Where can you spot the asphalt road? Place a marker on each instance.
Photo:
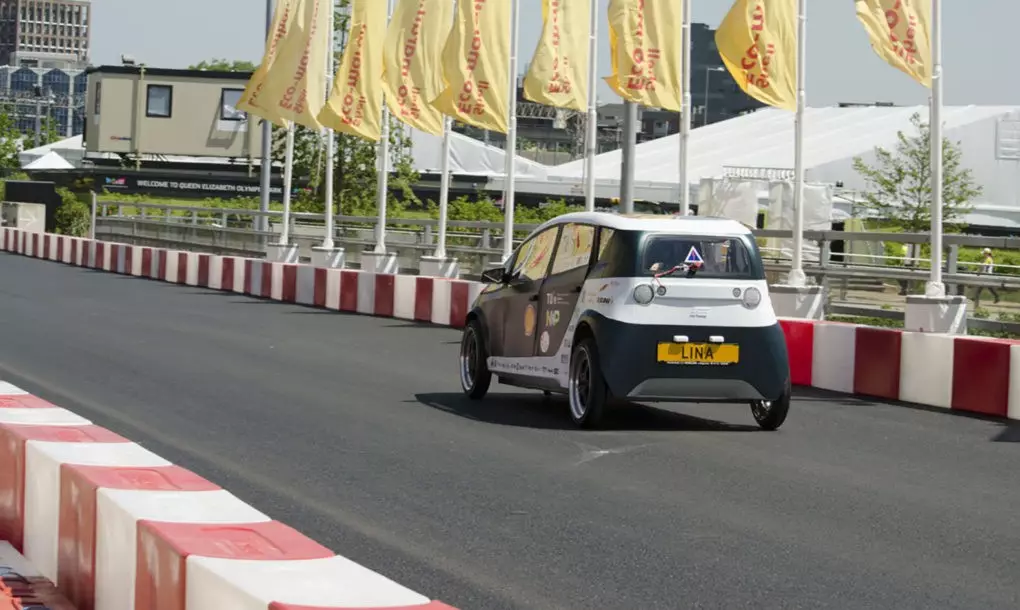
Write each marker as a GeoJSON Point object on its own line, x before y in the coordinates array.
{"type": "Point", "coordinates": [353, 430]}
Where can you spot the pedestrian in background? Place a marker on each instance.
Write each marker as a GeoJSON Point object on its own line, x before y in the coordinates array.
{"type": "Point", "coordinates": [987, 266]}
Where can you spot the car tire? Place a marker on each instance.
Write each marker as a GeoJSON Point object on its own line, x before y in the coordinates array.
{"type": "Point", "coordinates": [587, 392]}
{"type": "Point", "coordinates": [771, 414]}
{"type": "Point", "coordinates": [475, 376]}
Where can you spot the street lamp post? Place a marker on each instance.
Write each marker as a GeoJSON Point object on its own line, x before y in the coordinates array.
{"type": "Point", "coordinates": [708, 81]}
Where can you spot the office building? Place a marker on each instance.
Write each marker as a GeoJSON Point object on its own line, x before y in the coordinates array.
{"type": "Point", "coordinates": [45, 33]}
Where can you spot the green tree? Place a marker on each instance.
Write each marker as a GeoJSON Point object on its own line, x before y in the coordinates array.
{"type": "Point", "coordinates": [10, 141]}
{"type": "Point", "coordinates": [899, 183]}
{"type": "Point", "coordinates": [223, 65]}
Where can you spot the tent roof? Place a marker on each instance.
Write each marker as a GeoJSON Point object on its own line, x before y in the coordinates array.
{"type": "Point", "coordinates": [51, 160]}
{"type": "Point", "coordinates": [765, 139]}
{"type": "Point", "coordinates": [72, 143]}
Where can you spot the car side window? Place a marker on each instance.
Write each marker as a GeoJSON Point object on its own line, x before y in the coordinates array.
{"type": "Point", "coordinates": [533, 261]}
{"type": "Point", "coordinates": [574, 251]}
{"type": "Point", "coordinates": [605, 237]}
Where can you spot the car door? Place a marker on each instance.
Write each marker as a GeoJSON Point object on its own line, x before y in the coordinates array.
{"type": "Point", "coordinates": [520, 320]}
{"type": "Point", "coordinates": [561, 290]}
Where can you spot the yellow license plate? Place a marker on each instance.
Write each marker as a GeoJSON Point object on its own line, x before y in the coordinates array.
{"type": "Point", "coordinates": [699, 353]}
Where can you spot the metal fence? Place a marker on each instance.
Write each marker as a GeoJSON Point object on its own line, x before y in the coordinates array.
{"type": "Point", "coordinates": [196, 225]}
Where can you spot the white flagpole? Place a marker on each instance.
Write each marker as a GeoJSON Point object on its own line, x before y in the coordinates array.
{"type": "Point", "coordinates": [685, 110]}
{"type": "Point", "coordinates": [591, 140]}
{"type": "Point", "coordinates": [511, 140]}
{"type": "Point", "coordinates": [935, 287]}
{"type": "Point", "coordinates": [327, 240]}
{"type": "Point", "coordinates": [288, 178]}
{"type": "Point", "coordinates": [797, 277]}
{"type": "Point", "coordinates": [384, 165]}
{"type": "Point", "coordinates": [444, 188]}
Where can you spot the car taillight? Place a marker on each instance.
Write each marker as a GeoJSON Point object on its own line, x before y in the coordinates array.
{"type": "Point", "coordinates": [751, 298]}
{"type": "Point", "coordinates": [644, 293]}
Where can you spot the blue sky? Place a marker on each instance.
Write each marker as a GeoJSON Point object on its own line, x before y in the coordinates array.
{"type": "Point", "coordinates": [841, 65]}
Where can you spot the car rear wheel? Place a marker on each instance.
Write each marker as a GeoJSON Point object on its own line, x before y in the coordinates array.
{"type": "Point", "coordinates": [475, 376]}
{"type": "Point", "coordinates": [770, 414]}
{"type": "Point", "coordinates": [587, 391]}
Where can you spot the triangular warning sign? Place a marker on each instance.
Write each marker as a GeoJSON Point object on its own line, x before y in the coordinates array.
{"type": "Point", "coordinates": [693, 257]}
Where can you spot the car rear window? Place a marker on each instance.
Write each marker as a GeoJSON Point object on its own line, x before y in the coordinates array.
{"type": "Point", "coordinates": [722, 257]}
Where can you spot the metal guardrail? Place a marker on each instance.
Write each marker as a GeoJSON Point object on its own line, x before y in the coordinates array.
{"type": "Point", "coordinates": [489, 240]}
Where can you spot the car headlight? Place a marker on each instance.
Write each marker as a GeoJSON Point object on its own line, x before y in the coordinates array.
{"type": "Point", "coordinates": [644, 293]}
{"type": "Point", "coordinates": [752, 297]}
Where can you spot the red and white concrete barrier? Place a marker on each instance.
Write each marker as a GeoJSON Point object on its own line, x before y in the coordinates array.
{"type": "Point", "coordinates": [959, 373]}
{"type": "Point", "coordinates": [116, 527]}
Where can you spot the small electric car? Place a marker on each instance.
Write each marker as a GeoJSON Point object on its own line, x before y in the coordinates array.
{"type": "Point", "coordinates": [634, 307]}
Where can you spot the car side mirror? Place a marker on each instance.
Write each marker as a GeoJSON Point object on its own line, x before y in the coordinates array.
{"type": "Point", "coordinates": [496, 275]}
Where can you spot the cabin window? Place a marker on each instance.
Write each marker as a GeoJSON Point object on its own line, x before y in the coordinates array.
{"type": "Point", "coordinates": [159, 101]}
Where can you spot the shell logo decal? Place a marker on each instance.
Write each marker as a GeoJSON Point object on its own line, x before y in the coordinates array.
{"type": "Point", "coordinates": [530, 318]}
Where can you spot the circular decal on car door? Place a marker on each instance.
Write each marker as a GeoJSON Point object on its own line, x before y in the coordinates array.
{"type": "Point", "coordinates": [543, 341]}
{"type": "Point", "coordinates": [530, 317]}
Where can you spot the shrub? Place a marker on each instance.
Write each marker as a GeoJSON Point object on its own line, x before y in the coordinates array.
{"type": "Point", "coordinates": [73, 217]}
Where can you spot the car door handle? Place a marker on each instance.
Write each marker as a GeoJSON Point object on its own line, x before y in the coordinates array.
{"type": "Point", "coordinates": [533, 297]}
{"type": "Point", "coordinates": [578, 288]}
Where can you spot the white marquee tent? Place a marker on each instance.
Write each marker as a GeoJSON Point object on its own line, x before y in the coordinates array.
{"type": "Point", "coordinates": [468, 156]}
{"type": "Point", "coordinates": [989, 137]}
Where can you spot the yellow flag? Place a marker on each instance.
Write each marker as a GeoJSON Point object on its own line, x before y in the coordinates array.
{"type": "Point", "coordinates": [476, 59]}
{"type": "Point", "coordinates": [249, 99]}
{"type": "Point", "coordinates": [758, 44]}
{"type": "Point", "coordinates": [558, 75]}
{"type": "Point", "coordinates": [900, 34]}
{"type": "Point", "coordinates": [644, 46]}
{"type": "Point", "coordinates": [413, 74]}
{"type": "Point", "coordinates": [355, 103]}
{"type": "Point", "coordinates": [294, 86]}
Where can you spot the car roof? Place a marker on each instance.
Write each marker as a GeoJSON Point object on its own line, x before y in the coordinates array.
{"type": "Point", "coordinates": [688, 225]}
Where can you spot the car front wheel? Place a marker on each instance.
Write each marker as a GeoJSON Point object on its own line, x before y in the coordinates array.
{"type": "Point", "coordinates": [770, 414]}
{"type": "Point", "coordinates": [587, 389]}
{"type": "Point", "coordinates": [475, 376]}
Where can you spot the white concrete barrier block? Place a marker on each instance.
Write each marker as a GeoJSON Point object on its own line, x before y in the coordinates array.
{"type": "Point", "coordinates": [240, 269]}
{"type": "Point", "coordinates": [441, 299]}
{"type": "Point", "coordinates": [404, 296]}
{"type": "Point", "coordinates": [276, 281]}
{"type": "Point", "coordinates": [1013, 411]}
{"type": "Point", "coordinates": [335, 582]}
{"type": "Point", "coordinates": [118, 512]}
{"type": "Point", "coordinates": [333, 278]}
{"type": "Point", "coordinates": [41, 417]}
{"type": "Point", "coordinates": [172, 259]}
{"type": "Point", "coordinates": [9, 389]}
{"type": "Point", "coordinates": [366, 292]}
{"type": "Point", "coordinates": [305, 294]}
{"type": "Point", "coordinates": [216, 272]}
{"type": "Point", "coordinates": [926, 369]}
{"type": "Point", "coordinates": [832, 361]}
{"type": "Point", "coordinates": [191, 279]}
{"type": "Point", "coordinates": [42, 488]}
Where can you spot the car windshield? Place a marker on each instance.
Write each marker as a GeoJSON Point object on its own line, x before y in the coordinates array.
{"type": "Point", "coordinates": [721, 257]}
